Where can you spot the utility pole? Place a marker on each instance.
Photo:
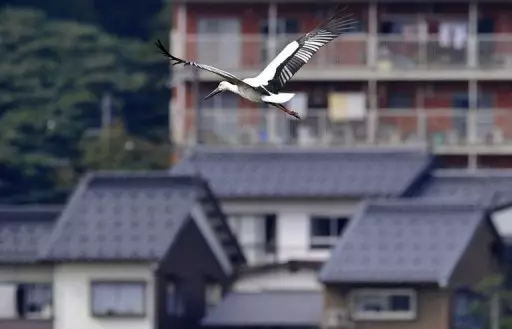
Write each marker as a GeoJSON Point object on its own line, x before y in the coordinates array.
{"type": "Point", "coordinates": [199, 121]}
{"type": "Point", "coordinates": [495, 310]}
{"type": "Point", "coordinates": [106, 118]}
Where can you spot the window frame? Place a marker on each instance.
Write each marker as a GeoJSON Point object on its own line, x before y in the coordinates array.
{"type": "Point", "coordinates": [267, 247]}
{"type": "Point", "coordinates": [385, 315]}
{"type": "Point", "coordinates": [326, 242]}
{"type": "Point", "coordinates": [178, 299]}
{"type": "Point", "coordinates": [25, 314]}
{"type": "Point", "coordinates": [142, 283]}
{"type": "Point", "coordinates": [209, 284]}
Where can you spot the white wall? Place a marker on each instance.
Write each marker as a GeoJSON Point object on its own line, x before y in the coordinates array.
{"type": "Point", "coordinates": [502, 219]}
{"type": "Point", "coordinates": [72, 295]}
{"type": "Point", "coordinates": [293, 222]}
{"type": "Point", "coordinates": [281, 279]}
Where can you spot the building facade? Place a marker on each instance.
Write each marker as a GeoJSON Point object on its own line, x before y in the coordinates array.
{"type": "Point", "coordinates": [412, 73]}
{"type": "Point", "coordinates": [292, 205]}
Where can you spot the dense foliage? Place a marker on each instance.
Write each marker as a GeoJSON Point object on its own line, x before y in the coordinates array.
{"type": "Point", "coordinates": [53, 76]}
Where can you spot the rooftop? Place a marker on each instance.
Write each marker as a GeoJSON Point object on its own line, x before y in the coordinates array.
{"type": "Point", "coordinates": [24, 230]}
{"type": "Point", "coordinates": [492, 185]}
{"type": "Point", "coordinates": [270, 308]}
{"type": "Point", "coordinates": [128, 216]}
{"type": "Point", "coordinates": [403, 241]}
{"type": "Point", "coordinates": [299, 172]}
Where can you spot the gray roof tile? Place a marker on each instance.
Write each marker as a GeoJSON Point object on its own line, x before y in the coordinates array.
{"type": "Point", "coordinates": [403, 241]}
{"type": "Point", "coordinates": [484, 185]}
{"type": "Point", "coordinates": [299, 172]}
{"type": "Point", "coordinates": [268, 308]}
{"type": "Point", "coordinates": [24, 230]}
{"type": "Point", "coordinates": [124, 216]}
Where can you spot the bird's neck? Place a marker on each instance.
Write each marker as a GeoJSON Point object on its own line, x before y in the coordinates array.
{"type": "Point", "coordinates": [233, 88]}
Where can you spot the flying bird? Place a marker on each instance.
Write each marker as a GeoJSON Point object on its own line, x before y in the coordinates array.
{"type": "Point", "coordinates": [266, 87]}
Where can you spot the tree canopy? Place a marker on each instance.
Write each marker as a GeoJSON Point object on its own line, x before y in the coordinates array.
{"type": "Point", "coordinates": [53, 76]}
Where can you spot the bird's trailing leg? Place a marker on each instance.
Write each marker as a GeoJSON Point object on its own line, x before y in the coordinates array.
{"type": "Point", "coordinates": [284, 109]}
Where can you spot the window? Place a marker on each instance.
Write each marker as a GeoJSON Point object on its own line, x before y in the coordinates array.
{"type": "Point", "coordinates": [175, 305]}
{"type": "Point", "coordinates": [400, 100]}
{"type": "Point", "coordinates": [213, 293]}
{"type": "Point", "coordinates": [383, 304]}
{"type": "Point", "coordinates": [26, 301]}
{"type": "Point", "coordinates": [326, 230]}
{"type": "Point", "coordinates": [255, 232]}
{"type": "Point", "coordinates": [118, 298]}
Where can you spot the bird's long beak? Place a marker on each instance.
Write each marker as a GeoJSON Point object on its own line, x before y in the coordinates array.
{"type": "Point", "coordinates": [213, 93]}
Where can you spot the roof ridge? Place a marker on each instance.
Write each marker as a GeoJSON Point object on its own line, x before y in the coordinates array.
{"type": "Point", "coordinates": [298, 150]}
{"type": "Point", "coordinates": [472, 173]}
{"type": "Point", "coordinates": [31, 208]}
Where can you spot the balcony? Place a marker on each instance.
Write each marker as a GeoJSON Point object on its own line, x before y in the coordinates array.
{"type": "Point", "coordinates": [448, 131]}
{"type": "Point", "coordinates": [259, 253]}
{"type": "Point", "coordinates": [358, 56]}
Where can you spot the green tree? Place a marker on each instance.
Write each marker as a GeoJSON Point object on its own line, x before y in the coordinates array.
{"type": "Point", "coordinates": [53, 75]}
{"type": "Point", "coordinates": [116, 149]}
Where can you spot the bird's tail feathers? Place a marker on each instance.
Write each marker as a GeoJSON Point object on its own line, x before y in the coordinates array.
{"type": "Point", "coordinates": [166, 53]}
{"type": "Point", "coordinates": [278, 98]}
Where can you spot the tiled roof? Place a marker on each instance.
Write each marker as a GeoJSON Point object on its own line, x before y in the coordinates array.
{"type": "Point", "coordinates": [484, 185]}
{"type": "Point", "coordinates": [269, 308]}
{"type": "Point", "coordinates": [24, 230]}
{"type": "Point", "coordinates": [298, 172]}
{"type": "Point", "coordinates": [403, 241]}
{"type": "Point", "coordinates": [128, 216]}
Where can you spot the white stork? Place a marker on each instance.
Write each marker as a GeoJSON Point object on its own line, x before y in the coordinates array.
{"type": "Point", "coordinates": [266, 87]}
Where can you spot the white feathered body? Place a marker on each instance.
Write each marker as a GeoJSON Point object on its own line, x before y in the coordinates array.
{"type": "Point", "coordinates": [254, 96]}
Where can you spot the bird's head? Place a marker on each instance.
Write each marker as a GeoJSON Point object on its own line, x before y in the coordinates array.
{"type": "Point", "coordinates": [223, 86]}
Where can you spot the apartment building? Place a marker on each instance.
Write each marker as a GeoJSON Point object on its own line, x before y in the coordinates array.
{"type": "Point", "coordinates": [411, 73]}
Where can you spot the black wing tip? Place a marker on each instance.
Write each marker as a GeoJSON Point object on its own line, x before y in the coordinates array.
{"type": "Point", "coordinates": [166, 53]}
{"type": "Point", "coordinates": [341, 20]}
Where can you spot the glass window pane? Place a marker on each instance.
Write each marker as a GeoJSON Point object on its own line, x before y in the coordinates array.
{"type": "Point", "coordinates": [320, 227]}
{"type": "Point", "coordinates": [400, 303]}
{"type": "Point", "coordinates": [118, 298]}
{"type": "Point", "coordinates": [38, 300]}
{"type": "Point", "coordinates": [174, 302]}
{"type": "Point", "coordinates": [103, 299]}
{"type": "Point", "coordinates": [371, 303]}
{"type": "Point", "coordinates": [341, 223]}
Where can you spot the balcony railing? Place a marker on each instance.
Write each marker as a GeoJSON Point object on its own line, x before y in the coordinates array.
{"type": "Point", "coordinates": [259, 253]}
{"type": "Point", "coordinates": [447, 128]}
{"type": "Point", "coordinates": [251, 52]}
{"type": "Point", "coordinates": [356, 51]}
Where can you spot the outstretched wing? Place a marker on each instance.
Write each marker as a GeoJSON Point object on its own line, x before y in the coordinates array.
{"type": "Point", "coordinates": [175, 60]}
{"type": "Point", "coordinates": [299, 52]}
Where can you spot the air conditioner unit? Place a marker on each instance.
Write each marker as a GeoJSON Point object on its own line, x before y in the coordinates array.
{"type": "Point", "coordinates": [336, 318]}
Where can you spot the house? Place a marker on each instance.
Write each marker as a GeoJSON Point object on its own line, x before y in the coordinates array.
{"type": "Point", "coordinates": [414, 73]}
{"type": "Point", "coordinates": [270, 296]}
{"type": "Point", "coordinates": [135, 250]}
{"type": "Point", "coordinates": [25, 283]}
{"type": "Point", "coordinates": [409, 264]}
{"type": "Point", "coordinates": [292, 203]}
{"type": "Point", "coordinates": [493, 185]}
